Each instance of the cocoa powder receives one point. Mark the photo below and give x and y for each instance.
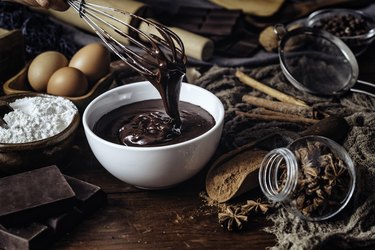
(234, 175)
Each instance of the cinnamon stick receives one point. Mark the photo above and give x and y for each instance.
(268, 90)
(277, 116)
(283, 107)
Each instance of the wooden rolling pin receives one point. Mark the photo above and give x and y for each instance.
(196, 46)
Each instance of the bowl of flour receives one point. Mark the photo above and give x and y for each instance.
(37, 130)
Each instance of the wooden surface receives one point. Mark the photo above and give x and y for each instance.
(177, 218)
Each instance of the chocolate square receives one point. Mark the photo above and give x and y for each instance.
(65, 222)
(32, 236)
(34, 195)
(89, 197)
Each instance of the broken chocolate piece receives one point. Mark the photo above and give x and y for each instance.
(89, 197)
(65, 222)
(34, 195)
(241, 43)
(32, 236)
(204, 21)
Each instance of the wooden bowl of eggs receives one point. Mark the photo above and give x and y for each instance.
(36, 130)
(80, 80)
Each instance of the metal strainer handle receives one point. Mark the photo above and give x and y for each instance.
(363, 87)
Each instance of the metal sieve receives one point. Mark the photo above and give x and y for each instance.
(319, 63)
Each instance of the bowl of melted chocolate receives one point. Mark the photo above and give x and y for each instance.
(153, 142)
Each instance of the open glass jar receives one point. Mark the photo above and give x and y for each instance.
(313, 177)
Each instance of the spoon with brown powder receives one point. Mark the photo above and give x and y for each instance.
(4, 109)
(236, 172)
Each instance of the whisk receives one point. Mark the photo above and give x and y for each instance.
(164, 60)
(164, 53)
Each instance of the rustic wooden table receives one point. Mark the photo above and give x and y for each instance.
(177, 218)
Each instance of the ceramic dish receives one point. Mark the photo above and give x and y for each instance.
(160, 166)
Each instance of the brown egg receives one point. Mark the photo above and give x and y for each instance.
(93, 60)
(67, 81)
(42, 68)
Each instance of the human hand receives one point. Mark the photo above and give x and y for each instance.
(60, 5)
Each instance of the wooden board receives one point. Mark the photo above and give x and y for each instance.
(252, 7)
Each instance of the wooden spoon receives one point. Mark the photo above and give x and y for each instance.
(236, 172)
(4, 109)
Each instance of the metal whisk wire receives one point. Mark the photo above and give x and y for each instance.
(162, 50)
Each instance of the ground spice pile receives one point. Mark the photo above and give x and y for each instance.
(232, 175)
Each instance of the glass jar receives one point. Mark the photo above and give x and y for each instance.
(313, 177)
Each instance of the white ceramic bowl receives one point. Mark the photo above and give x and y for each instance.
(153, 167)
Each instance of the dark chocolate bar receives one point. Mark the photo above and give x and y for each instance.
(32, 236)
(34, 195)
(204, 21)
(88, 198)
(241, 44)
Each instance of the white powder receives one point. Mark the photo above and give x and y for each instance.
(36, 118)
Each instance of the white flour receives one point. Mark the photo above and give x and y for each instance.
(36, 118)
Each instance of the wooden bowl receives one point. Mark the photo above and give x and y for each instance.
(20, 157)
(19, 84)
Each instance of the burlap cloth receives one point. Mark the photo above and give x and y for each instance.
(355, 225)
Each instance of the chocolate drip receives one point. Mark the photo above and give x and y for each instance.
(164, 65)
(166, 55)
(168, 84)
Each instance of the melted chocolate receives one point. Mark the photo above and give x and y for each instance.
(145, 123)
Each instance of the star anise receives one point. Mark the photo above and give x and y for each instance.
(300, 201)
(310, 172)
(256, 206)
(322, 182)
(232, 218)
(333, 172)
